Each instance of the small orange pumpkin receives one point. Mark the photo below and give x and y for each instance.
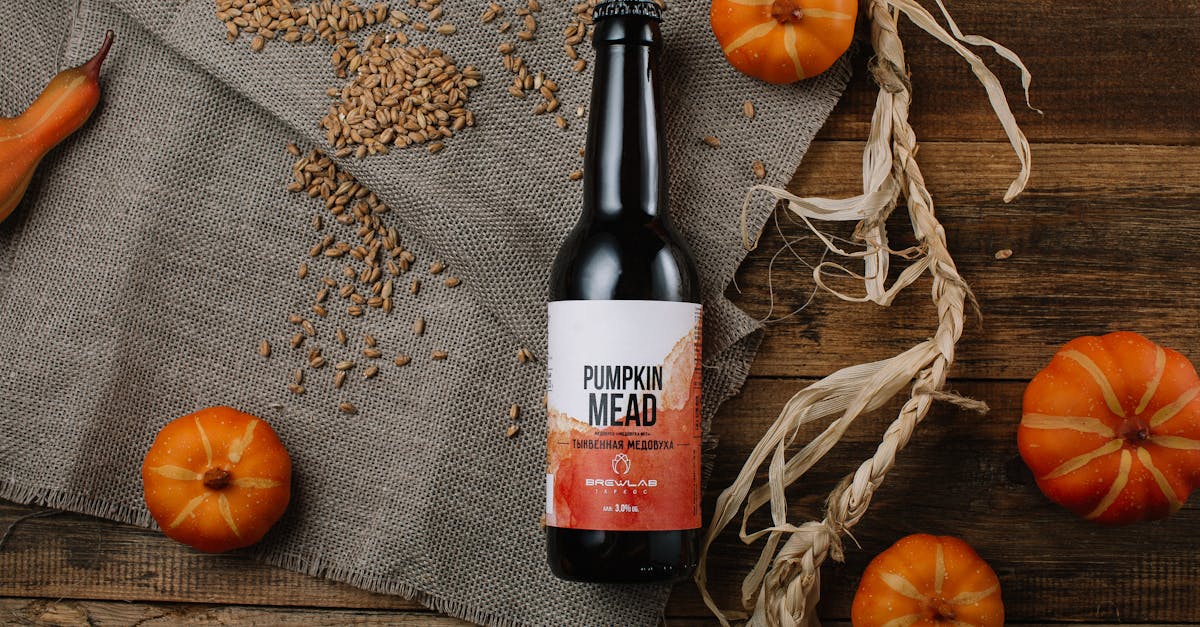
(928, 580)
(217, 479)
(1111, 428)
(783, 41)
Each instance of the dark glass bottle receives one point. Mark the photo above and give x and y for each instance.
(624, 248)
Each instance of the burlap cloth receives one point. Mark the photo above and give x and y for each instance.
(158, 247)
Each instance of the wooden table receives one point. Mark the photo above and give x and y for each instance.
(1104, 239)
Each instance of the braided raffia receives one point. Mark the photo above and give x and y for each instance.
(784, 586)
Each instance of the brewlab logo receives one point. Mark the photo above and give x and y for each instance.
(621, 464)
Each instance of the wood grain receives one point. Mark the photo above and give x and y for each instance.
(1103, 72)
(1103, 240)
(961, 476)
(25, 611)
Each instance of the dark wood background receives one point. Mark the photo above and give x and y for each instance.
(1104, 239)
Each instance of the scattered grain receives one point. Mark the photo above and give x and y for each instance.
(440, 355)
(511, 431)
(370, 372)
(760, 170)
(748, 109)
(347, 408)
(575, 175)
(339, 379)
(452, 281)
(371, 353)
(514, 412)
(295, 388)
(302, 271)
(711, 140)
(264, 348)
(1004, 253)
(402, 360)
(297, 340)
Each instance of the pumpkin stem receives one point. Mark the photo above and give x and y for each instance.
(787, 11)
(217, 478)
(1135, 430)
(943, 611)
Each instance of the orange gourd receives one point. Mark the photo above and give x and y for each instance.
(783, 41)
(217, 479)
(63, 106)
(1111, 428)
(925, 580)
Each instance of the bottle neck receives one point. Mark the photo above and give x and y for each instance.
(625, 164)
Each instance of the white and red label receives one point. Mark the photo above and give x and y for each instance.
(623, 405)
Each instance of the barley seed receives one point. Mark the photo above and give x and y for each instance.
(760, 170)
(295, 388)
(575, 175)
(297, 340)
(414, 287)
(439, 355)
(309, 329)
(316, 362)
(748, 109)
(711, 140)
(298, 376)
(402, 360)
(370, 372)
(339, 379)
(354, 310)
(452, 282)
(264, 348)
(371, 353)
(347, 408)
(514, 412)
(302, 271)
(369, 340)
(419, 326)
(511, 431)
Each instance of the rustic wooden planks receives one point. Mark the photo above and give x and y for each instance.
(961, 476)
(1112, 72)
(1105, 239)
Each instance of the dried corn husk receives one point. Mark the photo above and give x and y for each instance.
(784, 586)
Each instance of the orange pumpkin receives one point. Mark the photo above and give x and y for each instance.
(783, 41)
(928, 580)
(1111, 428)
(217, 479)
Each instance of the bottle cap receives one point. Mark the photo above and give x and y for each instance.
(615, 8)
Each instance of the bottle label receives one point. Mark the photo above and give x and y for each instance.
(623, 405)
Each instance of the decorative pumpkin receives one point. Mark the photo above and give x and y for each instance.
(1111, 428)
(783, 41)
(928, 580)
(217, 479)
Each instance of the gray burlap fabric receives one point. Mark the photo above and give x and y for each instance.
(157, 247)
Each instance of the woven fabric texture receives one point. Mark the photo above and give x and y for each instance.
(158, 247)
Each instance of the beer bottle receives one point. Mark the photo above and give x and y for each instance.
(623, 402)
